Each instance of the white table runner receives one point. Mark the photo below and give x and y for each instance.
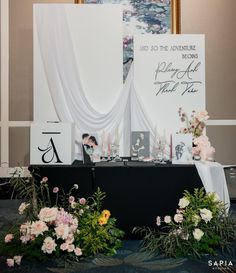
(213, 179)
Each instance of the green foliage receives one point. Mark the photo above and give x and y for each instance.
(95, 236)
(86, 229)
(200, 226)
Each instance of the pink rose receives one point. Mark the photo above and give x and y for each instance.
(8, 238)
(17, 259)
(64, 246)
(71, 199)
(10, 262)
(82, 201)
(78, 251)
(49, 245)
(44, 180)
(71, 248)
(55, 190)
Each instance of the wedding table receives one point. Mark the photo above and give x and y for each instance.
(136, 192)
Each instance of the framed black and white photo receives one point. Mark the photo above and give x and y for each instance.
(140, 145)
(182, 149)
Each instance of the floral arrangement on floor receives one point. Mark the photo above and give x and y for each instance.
(200, 226)
(73, 228)
(195, 125)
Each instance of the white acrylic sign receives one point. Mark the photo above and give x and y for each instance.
(52, 143)
(169, 72)
(95, 34)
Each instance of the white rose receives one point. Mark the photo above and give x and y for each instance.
(178, 218)
(206, 215)
(167, 219)
(183, 202)
(197, 234)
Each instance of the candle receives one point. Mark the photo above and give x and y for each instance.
(109, 145)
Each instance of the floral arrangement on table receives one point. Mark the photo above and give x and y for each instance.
(201, 225)
(74, 228)
(195, 125)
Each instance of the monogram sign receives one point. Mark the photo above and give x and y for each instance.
(52, 143)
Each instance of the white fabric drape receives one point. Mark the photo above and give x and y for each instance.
(66, 89)
(213, 179)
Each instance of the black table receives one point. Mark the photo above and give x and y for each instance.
(136, 191)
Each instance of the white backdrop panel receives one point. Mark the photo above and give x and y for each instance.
(169, 72)
(96, 37)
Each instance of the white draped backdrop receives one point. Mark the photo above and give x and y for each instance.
(68, 93)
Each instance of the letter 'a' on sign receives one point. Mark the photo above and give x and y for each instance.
(169, 72)
(52, 143)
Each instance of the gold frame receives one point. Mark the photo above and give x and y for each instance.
(175, 15)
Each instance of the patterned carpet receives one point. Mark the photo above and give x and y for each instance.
(127, 260)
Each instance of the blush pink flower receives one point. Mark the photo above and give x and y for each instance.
(48, 214)
(17, 259)
(82, 201)
(38, 227)
(44, 180)
(78, 251)
(25, 228)
(71, 199)
(25, 238)
(10, 262)
(49, 245)
(55, 190)
(8, 238)
(62, 231)
(71, 248)
(64, 246)
(70, 238)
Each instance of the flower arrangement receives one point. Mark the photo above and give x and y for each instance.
(195, 125)
(200, 225)
(73, 228)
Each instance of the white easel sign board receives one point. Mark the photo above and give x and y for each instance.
(169, 72)
(51, 143)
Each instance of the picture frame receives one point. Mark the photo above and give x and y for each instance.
(182, 149)
(140, 145)
(162, 17)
